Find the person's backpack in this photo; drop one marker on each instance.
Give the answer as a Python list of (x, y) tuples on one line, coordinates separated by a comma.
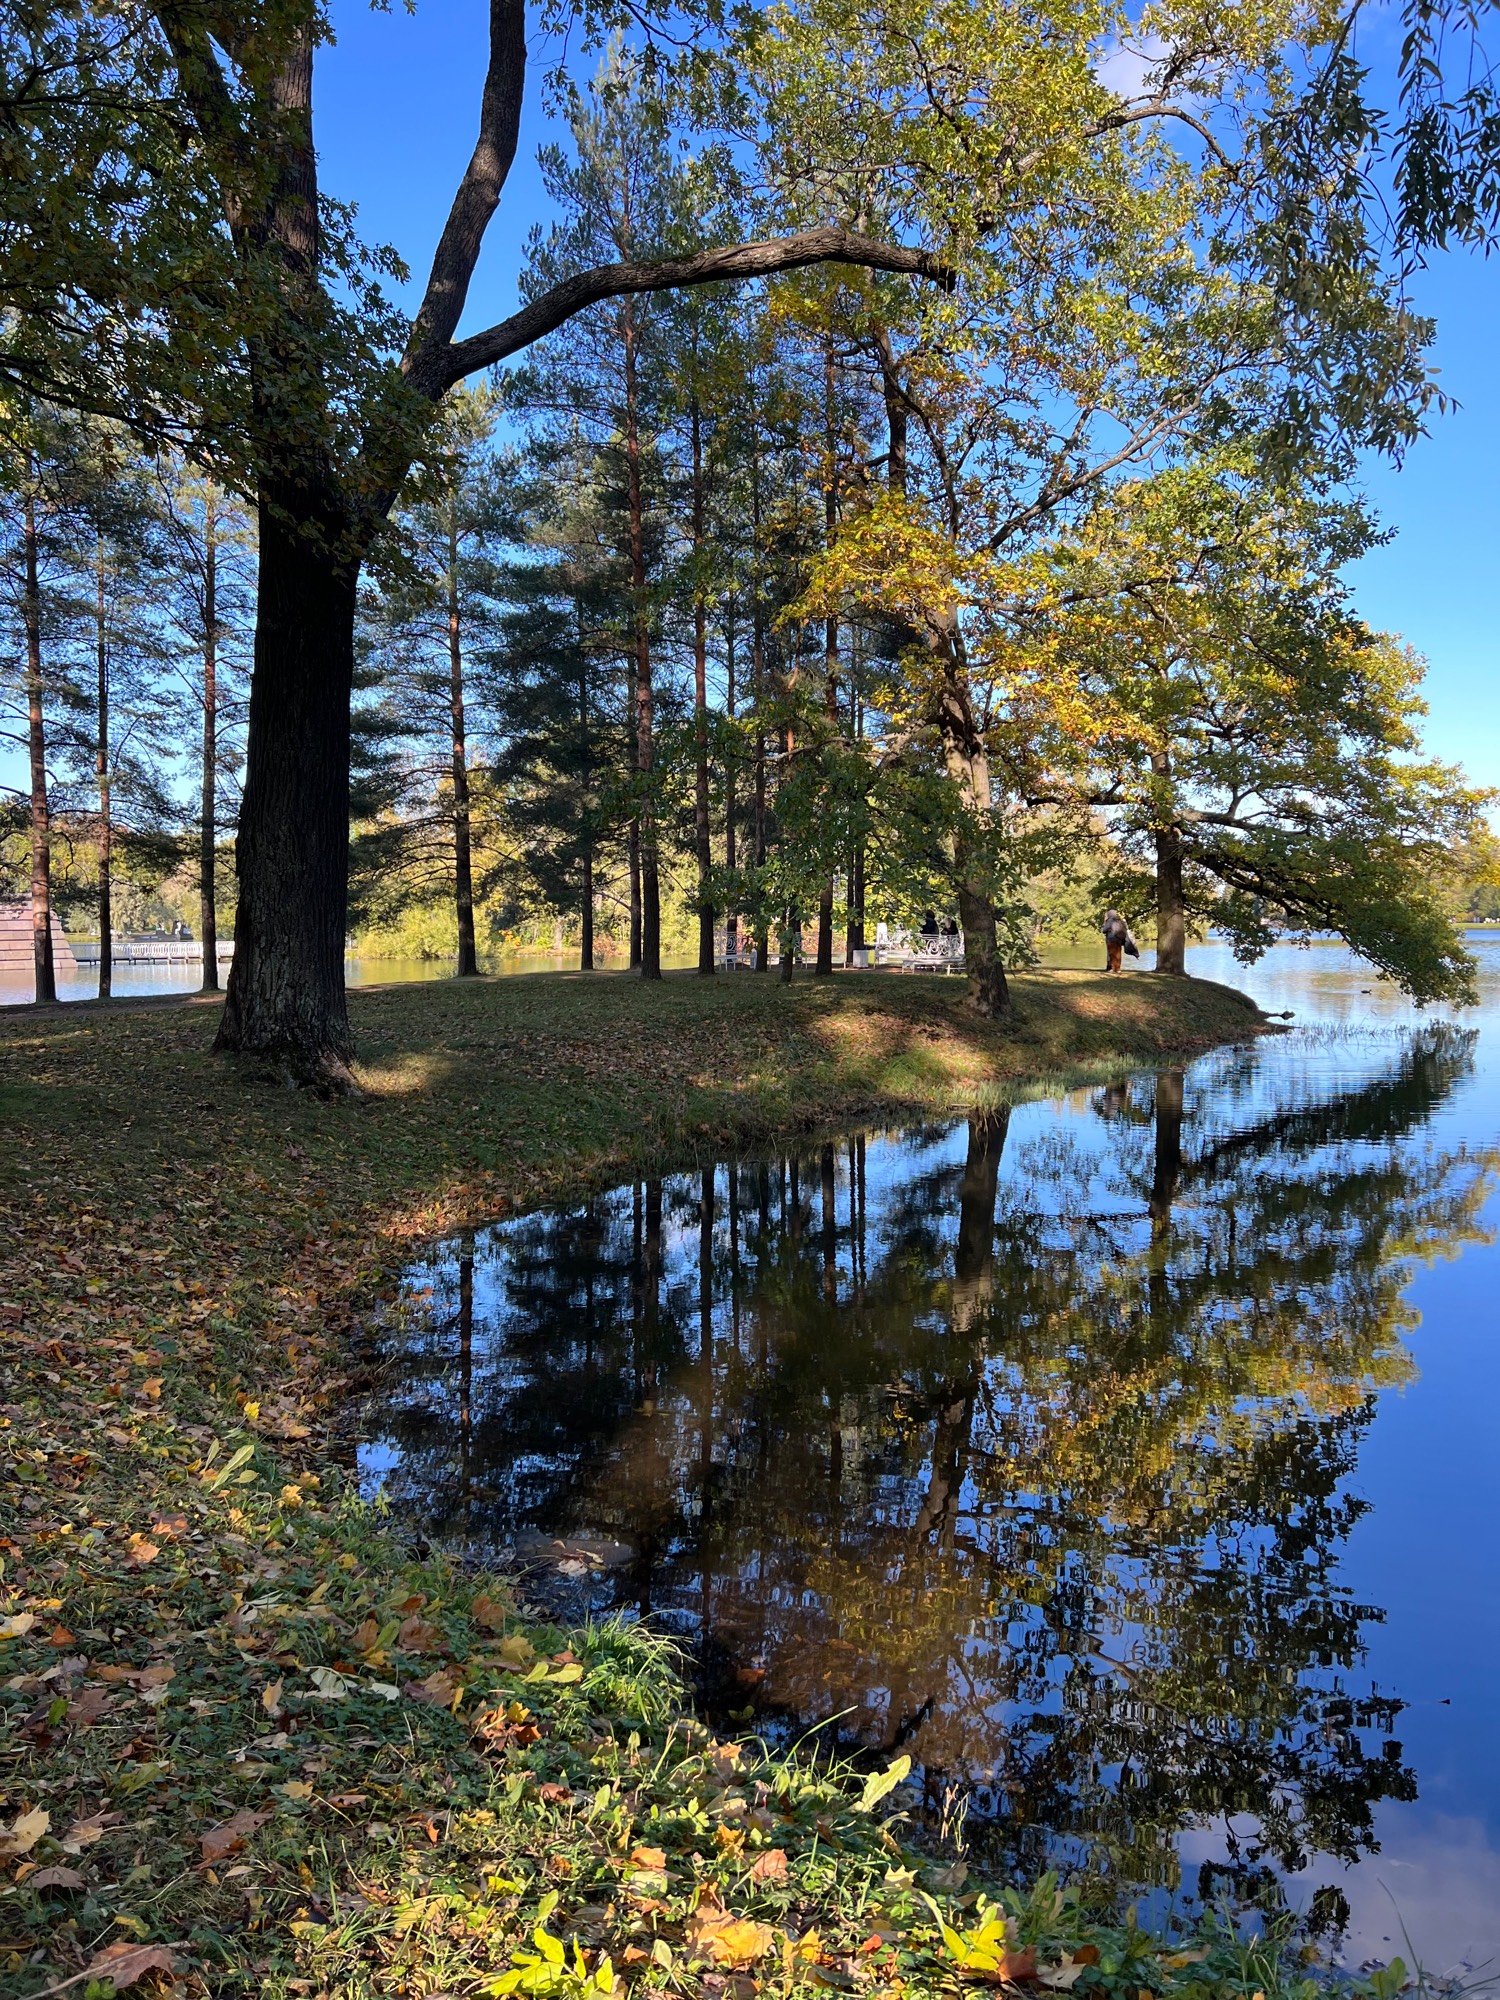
[(1132, 949)]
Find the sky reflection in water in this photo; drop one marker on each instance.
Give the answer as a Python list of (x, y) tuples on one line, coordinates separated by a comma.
[(1125, 1459)]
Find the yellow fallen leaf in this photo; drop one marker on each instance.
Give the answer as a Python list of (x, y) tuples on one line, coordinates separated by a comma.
[(295, 1789), (731, 1941), (270, 1699), (17, 1625), (24, 1835)]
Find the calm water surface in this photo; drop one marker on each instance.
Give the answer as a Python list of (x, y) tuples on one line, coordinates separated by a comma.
[(1128, 1459)]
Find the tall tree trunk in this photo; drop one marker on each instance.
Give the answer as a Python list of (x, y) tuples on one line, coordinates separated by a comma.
[(633, 866), (463, 867), (731, 856), (1171, 914), (102, 775), (855, 938), (286, 1001), (36, 739), (701, 842), (645, 731), (586, 772), (968, 765), (823, 966), (964, 751), (758, 690), (208, 825)]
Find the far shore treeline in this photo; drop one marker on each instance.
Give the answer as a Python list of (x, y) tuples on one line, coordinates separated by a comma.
[(922, 480)]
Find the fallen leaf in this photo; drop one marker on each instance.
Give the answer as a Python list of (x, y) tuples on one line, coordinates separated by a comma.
[(86, 1708), (57, 1878), (84, 1832), (652, 1858), (770, 1866), (439, 1689), (488, 1612), (140, 1551), (552, 1795), (270, 1699), (731, 1941), (24, 1835), (517, 1651), (17, 1625), (61, 1636), (221, 1841), (416, 1635), (157, 1676), (127, 1964), (295, 1789), (1018, 1966)]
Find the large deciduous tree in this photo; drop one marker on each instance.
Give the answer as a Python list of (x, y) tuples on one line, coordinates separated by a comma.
[(262, 325)]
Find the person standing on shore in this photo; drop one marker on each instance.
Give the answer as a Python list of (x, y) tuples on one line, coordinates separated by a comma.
[(1117, 941)]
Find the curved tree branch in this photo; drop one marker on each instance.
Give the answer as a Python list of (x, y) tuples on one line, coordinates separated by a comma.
[(475, 202), (436, 371)]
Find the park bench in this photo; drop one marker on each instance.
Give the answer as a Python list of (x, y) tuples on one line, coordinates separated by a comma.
[(935, 954)]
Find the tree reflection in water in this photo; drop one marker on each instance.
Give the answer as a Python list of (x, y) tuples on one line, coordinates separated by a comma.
[(1028, 1455)]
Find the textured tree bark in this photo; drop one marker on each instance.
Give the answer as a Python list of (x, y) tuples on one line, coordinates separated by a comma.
[(757, 687), (645, 712), (285, 1003), (969, 767), (586, 914), (1171, 913), (731, 922), (102, 774), (36, 743), (208, 825), (823, 967), (701, 843), (463, 867)]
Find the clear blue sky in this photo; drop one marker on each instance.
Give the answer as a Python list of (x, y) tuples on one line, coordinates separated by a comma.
[(395, 108)]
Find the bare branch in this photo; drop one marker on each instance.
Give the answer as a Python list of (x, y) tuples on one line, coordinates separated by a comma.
[(564, 301), (475, 202)]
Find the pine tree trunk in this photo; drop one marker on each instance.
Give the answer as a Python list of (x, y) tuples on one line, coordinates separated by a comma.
[(102, 777), (701, 842), (633, 863), (463, 867), (731, 922), (645, 737), (208, 826), (757, 695), (1171, 914), (285, 1002), (36, 739), (823, 967), (586, 914)]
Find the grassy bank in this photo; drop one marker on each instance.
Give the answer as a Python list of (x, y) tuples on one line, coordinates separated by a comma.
[(249, 1742)]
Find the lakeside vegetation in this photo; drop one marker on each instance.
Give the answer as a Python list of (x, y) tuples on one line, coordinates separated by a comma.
[(197, 1610)]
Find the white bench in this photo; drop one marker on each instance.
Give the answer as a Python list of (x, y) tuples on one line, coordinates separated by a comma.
[(935, 954)]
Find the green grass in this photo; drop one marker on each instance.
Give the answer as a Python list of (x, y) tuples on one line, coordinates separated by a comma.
[(244, 1731)]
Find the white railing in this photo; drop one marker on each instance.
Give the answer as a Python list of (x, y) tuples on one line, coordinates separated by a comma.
[(149, 951)]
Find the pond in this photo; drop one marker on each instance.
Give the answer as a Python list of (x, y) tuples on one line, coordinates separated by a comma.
[(1126, 1459)]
